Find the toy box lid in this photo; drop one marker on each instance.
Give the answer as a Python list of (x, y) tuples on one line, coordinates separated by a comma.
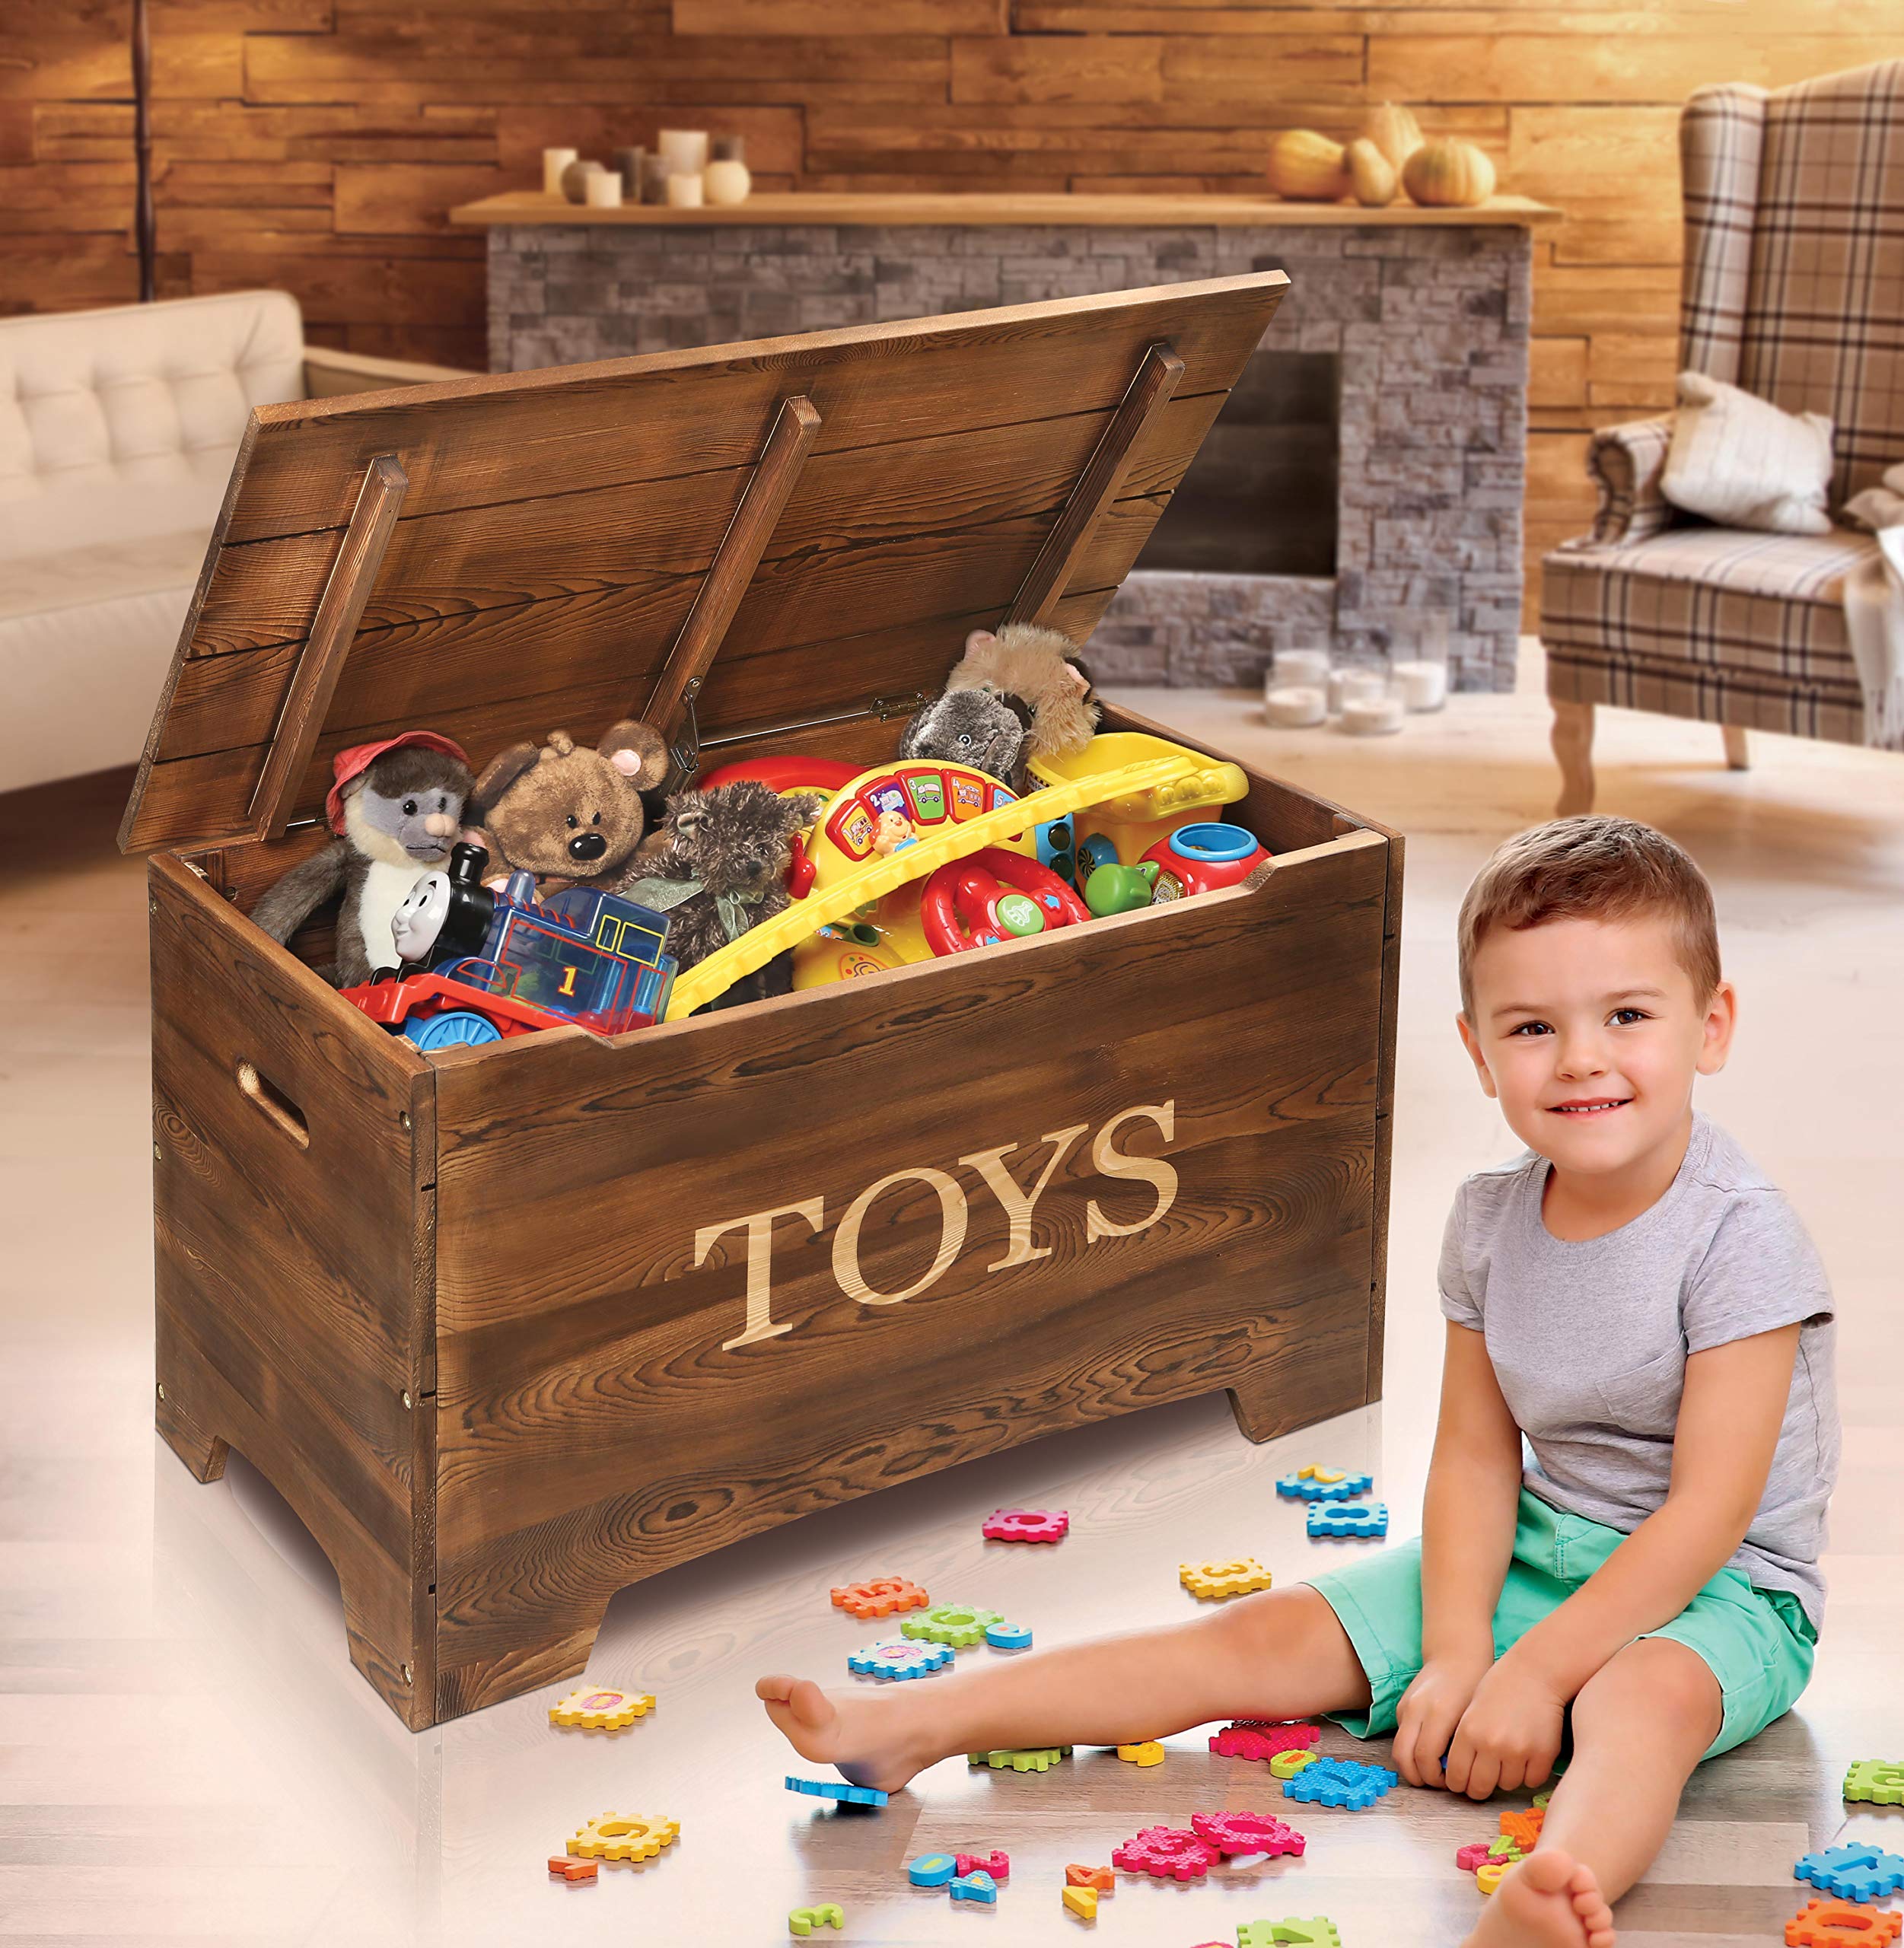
[(790, 528)]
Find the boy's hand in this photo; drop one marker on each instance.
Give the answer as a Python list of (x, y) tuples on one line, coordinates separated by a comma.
[(1510, 1736), (1430, 1709)]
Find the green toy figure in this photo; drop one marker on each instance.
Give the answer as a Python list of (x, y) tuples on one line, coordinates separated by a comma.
[(1114, 889)]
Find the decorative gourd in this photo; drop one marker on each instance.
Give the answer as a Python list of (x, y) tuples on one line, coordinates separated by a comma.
[(1372, 173), (1395, 132), (1307, 168), (1449, 174)]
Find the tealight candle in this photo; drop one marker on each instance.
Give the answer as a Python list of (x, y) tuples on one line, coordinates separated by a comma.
[(554, 161), (1294, 705), (1301, 667), (1424, 684), (1371, 717)]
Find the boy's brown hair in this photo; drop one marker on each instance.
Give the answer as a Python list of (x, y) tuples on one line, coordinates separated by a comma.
[(1591, 868)]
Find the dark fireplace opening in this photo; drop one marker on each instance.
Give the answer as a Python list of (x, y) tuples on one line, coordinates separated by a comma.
[(1259, 498)]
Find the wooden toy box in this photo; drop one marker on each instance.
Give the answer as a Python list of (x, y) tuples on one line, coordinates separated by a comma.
[(513, 1327)]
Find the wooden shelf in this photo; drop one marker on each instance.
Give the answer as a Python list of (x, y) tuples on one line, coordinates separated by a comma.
[(531, 206)]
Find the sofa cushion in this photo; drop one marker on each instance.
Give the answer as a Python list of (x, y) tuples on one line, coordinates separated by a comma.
[(1710, 622)]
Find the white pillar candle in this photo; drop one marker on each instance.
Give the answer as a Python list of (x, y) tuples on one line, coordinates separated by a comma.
[(683, 191), (604, 189), (1371, 717), (685, 148), (1294, 705), (554, 161), (1302, 668), (1424, 684), (1362, 686)]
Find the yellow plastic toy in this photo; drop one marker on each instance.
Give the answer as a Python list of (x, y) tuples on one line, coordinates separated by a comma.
[(860, 854), (597, 1709), (624, 1836), (1210, 1581), (1142, 1751), (1122, 827)]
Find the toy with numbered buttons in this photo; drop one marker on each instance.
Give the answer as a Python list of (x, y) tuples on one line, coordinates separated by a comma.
[(1202, 859)]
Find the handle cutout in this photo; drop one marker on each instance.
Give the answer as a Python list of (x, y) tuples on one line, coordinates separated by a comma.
[(276, 1104)]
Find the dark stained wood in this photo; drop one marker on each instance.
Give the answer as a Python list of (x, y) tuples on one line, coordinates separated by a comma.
[(1158, 377), (734, 561), (333, 629)]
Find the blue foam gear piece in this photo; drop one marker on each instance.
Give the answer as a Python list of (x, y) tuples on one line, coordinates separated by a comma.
[(838, 1789), (1853, 1873), (1334, 1519), (932, 1870), (1007, 1636), (977, 1885), (872, 1661), (1348, 1489), (1340, 1782)]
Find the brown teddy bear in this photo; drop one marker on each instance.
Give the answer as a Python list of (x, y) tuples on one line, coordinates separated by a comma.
[(563, 812), (722, 868)]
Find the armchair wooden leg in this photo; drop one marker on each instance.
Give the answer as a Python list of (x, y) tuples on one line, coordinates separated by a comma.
[(1573, 742), (1738, 753)]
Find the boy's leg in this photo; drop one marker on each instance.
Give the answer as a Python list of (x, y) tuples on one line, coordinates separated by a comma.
[(1280, 1654)]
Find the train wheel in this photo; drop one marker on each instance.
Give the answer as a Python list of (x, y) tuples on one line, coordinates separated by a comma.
[(457, 1028)]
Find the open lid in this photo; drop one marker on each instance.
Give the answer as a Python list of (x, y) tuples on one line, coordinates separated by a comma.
[(496, 557)]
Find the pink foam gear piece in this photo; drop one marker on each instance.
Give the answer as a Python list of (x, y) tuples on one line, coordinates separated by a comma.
[(1167, 1852), (1027, 1525), (1255, 1738), (1258, 1833), (998, 1864), (1473, 1855)]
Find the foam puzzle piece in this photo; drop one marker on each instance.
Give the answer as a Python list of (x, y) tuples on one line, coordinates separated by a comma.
[(1287, 1765), (1027, 1525), (932, 1870), (957, 1624), (1340, 1782), (1168, 1853), (1259, 1834), (1007, 1636), (1540, 1800), (804, 1921), (1875, 1782), (975, 1887), (1101, 1878), (601, 1708), (1348, 1518), (1082, 1902), (1473, 1855), (1144, 1751), (576, 1872), (998, 1864), (899, 1661), (1841, 1925), (1252, 1738), (1853, 1873), (1318, 1932), (1335, 1488), (1210, 1582), (882, 1596), (838, 1789), (1502, 1848), (1523, 1829), (624, 1836), (1034, 1759), (1490, 1873)]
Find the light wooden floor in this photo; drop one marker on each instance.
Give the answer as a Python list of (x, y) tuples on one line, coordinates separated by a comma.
[(186, 1754)]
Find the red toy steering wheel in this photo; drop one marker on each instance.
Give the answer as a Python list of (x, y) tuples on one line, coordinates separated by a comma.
[(993, 896)]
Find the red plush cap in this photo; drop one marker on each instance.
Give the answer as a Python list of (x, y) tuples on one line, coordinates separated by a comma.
[(358, 758)]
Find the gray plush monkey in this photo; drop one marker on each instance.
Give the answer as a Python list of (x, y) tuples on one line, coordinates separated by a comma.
[(976, 728)]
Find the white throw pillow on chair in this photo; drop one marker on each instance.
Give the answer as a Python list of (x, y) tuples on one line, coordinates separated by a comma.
[(1743, 462)]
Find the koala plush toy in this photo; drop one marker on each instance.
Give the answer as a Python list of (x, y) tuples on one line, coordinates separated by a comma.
[(564, 812)]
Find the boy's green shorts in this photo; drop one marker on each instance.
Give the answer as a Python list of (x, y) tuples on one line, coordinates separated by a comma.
[(1759, 1644)]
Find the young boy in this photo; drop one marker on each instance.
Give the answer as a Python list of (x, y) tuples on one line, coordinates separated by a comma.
[(1632, 1297)]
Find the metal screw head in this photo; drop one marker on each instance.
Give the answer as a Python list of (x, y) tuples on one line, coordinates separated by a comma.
[(162, 1389), (158, 1153), (153, 904), (403, 1120), (407, 1401), (403, 1671)]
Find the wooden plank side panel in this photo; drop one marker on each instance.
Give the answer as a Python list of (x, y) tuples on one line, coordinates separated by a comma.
[(294, 1267), (586, 1367)]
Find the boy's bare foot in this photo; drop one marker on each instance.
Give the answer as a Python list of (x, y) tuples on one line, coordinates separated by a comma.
[(869, 1738), (1549, 1901)]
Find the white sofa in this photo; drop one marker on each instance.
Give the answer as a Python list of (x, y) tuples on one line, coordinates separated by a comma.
[(118, 428)]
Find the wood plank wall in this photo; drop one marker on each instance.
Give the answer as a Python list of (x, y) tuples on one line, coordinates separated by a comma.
[(316, 144)]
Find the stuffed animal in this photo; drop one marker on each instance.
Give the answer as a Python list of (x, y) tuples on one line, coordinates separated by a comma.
[(722, 869), (975, 727), (563, 812), (1017, 694), (395, 806)]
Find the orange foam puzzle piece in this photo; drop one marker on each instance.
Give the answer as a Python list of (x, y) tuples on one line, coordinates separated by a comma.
[(1843, 1925), (1523, 1829), (1101, 1878)]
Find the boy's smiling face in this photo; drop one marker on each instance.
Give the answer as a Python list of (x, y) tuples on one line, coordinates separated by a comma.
[(1589, 1033)]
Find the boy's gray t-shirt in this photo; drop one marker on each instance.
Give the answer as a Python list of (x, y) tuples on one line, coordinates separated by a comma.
[(1590, 1341)]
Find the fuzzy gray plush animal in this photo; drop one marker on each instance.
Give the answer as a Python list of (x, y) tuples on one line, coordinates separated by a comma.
[(978, 727), (722, 869), (396, 806)]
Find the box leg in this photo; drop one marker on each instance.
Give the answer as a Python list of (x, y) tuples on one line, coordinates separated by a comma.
[(1263, 1410), (204, 1453), (544, 1648)]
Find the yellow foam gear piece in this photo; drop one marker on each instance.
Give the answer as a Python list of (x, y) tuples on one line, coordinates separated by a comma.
[(880, 876), (1490, 1874), (1329, 1476), (624, 1836), (1287, 1765), (598, 1707), (1142, 1751), (1210, 1581), (1082, 1902)]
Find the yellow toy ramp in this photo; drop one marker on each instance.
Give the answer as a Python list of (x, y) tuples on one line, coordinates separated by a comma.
[(879, 876), (1198, 781)]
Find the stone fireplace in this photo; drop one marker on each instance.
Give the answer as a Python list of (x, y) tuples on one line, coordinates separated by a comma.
[(1366, 475)]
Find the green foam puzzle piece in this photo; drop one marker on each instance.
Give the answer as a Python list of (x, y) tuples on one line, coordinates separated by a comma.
[(1038, 1759), (1876, 1782), (1317, 1932)]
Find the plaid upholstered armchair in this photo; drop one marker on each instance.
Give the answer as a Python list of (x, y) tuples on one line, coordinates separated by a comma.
[(1794, 289)]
